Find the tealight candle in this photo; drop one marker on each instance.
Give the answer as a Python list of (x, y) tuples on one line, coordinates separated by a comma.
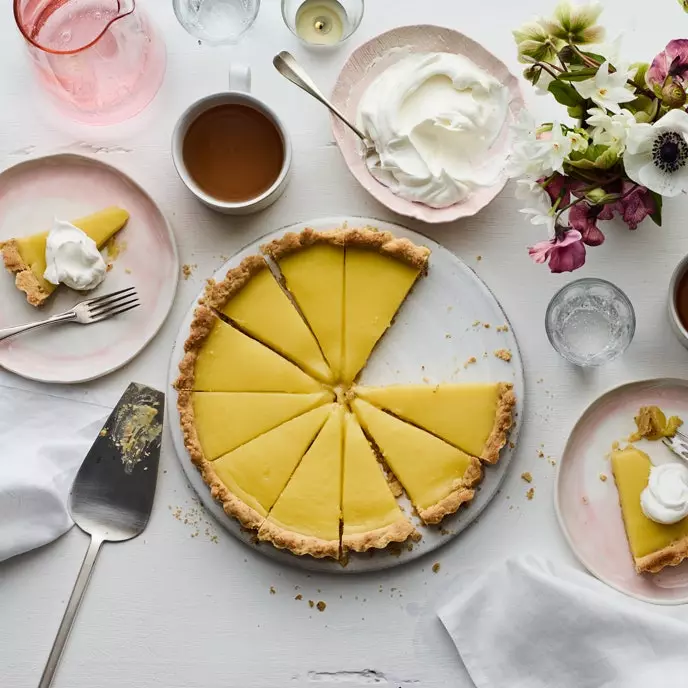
[(322, 22)]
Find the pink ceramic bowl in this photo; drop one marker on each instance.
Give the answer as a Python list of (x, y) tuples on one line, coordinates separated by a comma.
[(370, 60)]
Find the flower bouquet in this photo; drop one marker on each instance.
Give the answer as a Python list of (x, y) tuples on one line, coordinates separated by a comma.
[(626, 148)]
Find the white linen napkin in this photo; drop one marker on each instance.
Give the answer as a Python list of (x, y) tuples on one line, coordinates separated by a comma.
[(43, 441), (528, 623)]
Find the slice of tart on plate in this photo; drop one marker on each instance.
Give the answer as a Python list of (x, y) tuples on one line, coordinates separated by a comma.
[(25, 256), (653, 545), (214, 423), (474, 417), (370, 513), (220, 358), (305, 518), (437, 477), (248, 480), (252, 299)]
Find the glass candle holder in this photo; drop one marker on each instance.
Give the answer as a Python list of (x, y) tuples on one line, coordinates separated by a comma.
[(217, 22), (590, 322), (322, 22)]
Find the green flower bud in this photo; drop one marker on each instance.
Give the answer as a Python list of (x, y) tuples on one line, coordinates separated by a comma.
[(596, 195), (673, 94), (684, 4)]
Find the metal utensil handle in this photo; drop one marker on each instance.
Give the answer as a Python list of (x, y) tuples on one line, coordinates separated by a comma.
[(11, 331), (70, 612), (288, 67)]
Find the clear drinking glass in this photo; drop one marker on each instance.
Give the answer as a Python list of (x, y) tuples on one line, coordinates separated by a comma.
[(322, 22), (217, 21), (590, 322), (101, 61)]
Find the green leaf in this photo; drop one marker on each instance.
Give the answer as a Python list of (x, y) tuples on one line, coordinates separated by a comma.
[(607, 159), (657, 215), (565, 93), (595, 56), (578, 74)]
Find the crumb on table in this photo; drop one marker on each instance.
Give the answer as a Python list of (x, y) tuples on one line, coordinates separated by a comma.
[(436, 567), (530, 494), (470, 361), (321, 606), (584, 499), (311, 604), (503, 354), (272, 590), (478, 258), (299, 597), (486, 326), (603, 477), (527, 477), (502, 328)]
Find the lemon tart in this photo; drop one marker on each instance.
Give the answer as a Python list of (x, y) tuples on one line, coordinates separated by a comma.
[(378, 274), (653, 545), (312, 265), (437, 477), (214, 423), (253, 300), (25, 256), (306, 516), (370, 514), (248, 480), (473, 417), (220, 358)]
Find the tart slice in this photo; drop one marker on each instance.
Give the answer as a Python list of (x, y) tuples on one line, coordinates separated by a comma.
[(252, 299), (306, 516), (474, 417), (221, 358), (437, 477), (371, 515), (653, 545), (249, 479), (215, 423), (25, 256), (378, 274), (312, 265)]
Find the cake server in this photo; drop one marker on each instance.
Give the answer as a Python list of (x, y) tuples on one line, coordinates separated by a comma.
[(112, 495)]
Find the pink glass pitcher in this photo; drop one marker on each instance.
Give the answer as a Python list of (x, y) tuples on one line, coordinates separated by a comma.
[(99, 60)]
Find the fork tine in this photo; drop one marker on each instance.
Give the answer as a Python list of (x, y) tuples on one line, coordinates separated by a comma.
[(98, 299), (114, 307), (115, 311), (94, 309)]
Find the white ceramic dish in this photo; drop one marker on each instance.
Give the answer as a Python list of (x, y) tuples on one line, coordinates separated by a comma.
[(367, 62), (431, 338), (69, 186), (588, 508)]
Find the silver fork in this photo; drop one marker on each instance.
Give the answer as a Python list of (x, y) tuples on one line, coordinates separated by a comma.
[(85, 312), (678, 445)]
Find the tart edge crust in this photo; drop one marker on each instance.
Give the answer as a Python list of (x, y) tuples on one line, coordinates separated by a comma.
[(399, 531), (297, 543), (671, 555), (502, 425), (24, 279)]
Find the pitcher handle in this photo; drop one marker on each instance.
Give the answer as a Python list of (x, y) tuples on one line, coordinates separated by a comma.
[(240, 78)]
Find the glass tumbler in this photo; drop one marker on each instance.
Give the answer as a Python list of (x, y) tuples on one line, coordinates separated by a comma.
[(590, 322), (322, 22), (217, 21)]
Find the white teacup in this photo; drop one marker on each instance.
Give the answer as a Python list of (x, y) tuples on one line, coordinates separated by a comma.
[(238, 93)]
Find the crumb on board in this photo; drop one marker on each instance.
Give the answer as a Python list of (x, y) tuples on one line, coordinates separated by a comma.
[(127, 271), (426, 380), (272, 590), (552, 462), (541, 454), (478, 258), (447, 336), (487, 326), (530, 494), (299, 597), (436, 567), (321, 606), (603, 477), (584, 499), (311, 604), (470, 361), (187, 270), (476, 323), (503, 354), (502, 328), (527, 476)]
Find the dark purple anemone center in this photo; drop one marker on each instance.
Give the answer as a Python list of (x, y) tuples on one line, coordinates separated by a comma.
[(670, 151)]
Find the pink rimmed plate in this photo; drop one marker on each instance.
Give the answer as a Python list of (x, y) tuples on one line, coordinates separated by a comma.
[(69, 186), (367, 62), (587, 504)]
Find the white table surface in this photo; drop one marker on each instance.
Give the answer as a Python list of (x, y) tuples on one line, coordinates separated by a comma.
[(185, 604)]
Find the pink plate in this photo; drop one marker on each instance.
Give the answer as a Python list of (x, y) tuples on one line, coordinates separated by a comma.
[(67, 186), (588, 507), (369, 61)]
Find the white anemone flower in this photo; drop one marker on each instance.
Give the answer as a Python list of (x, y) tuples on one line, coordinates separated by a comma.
[(606, 89), (657, 154)]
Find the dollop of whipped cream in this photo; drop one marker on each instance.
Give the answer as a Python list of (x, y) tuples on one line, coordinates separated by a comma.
[(72, 258), (435, 120), (665, 499)]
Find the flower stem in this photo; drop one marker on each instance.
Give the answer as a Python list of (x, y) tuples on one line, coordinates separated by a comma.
[(586, 60)]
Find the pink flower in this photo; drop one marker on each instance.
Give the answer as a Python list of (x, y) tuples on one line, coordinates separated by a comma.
[(671, 62), (636, 206), (583, 217), (565, 253)]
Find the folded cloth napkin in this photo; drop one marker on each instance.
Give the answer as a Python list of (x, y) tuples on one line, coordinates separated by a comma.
[(43, 441), (528, 623)]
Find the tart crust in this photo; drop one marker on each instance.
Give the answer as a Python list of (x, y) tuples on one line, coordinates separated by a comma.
[(399, 531), (298, 544), (24, 278), (201, 326), (672, 555), (502, 425), (218, 293)]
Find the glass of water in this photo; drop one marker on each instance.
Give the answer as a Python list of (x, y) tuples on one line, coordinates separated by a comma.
[(590, 322), (217, 21)]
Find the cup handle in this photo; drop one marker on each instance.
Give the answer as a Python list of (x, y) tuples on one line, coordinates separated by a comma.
[(240, 78)]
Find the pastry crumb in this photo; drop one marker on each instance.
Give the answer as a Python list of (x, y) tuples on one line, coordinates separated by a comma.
[(447, 336), (187, 270), (321, 606), (486, 326), (615, 445), (527, 477), (470, 361), (503, 354), (311, 604), (436, 567), (530, 494), (127, 271), (584, 499), (478, 258), (603, 477), (502, 328), (541, 454), (476, 323), (511, 444), (299, 597), (272, 590), (426, 380), (552, 462)]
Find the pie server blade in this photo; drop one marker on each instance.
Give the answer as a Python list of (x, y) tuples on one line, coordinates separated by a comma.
[(113, 492)]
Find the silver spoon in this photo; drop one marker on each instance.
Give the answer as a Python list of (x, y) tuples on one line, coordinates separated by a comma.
[(288, 67)]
